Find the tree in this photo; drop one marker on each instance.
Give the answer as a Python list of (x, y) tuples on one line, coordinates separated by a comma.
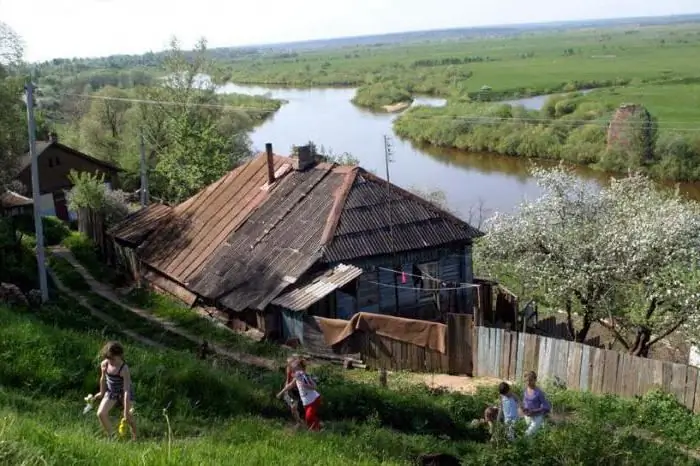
[(13, 133), (193, 138), (103, 127), (654, 241), (624, 256), (547, 244)]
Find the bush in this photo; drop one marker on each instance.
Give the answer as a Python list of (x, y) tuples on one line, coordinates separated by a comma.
[(55, 230)]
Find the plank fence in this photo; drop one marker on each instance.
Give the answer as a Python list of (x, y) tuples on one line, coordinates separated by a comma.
[(379, 352), (507, 355)]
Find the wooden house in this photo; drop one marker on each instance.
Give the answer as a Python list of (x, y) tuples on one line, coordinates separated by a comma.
[(13, 204), (281, 239), (56, 161)]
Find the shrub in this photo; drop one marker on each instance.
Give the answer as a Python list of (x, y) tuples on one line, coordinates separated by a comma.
[(55, 230)]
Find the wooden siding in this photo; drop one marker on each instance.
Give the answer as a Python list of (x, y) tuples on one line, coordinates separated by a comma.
[(54, 176), (382, 291), (292, 325)]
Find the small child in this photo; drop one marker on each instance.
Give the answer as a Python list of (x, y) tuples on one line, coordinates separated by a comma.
[(115, 387), (509, 409), (291, 397), (310, 398)]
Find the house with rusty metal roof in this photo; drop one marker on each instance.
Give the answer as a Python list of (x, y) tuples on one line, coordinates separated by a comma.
[(279, 239)]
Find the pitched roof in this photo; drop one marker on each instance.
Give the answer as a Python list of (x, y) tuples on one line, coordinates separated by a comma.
[(26, 160), (136, 227), (242, 242), (10, 199)]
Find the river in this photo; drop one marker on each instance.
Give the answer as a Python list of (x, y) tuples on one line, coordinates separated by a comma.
[(471, 181)]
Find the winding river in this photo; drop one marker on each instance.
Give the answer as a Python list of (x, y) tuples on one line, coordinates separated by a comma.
[(470, 181)]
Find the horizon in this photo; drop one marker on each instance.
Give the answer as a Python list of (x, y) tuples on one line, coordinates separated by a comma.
[(117, 28)]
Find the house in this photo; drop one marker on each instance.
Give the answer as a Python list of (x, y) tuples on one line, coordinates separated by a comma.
[(13, 204), (56, 161), (280, 239)]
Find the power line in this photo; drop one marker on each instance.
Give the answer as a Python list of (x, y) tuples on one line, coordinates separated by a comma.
[(463, 286), (473, 119), (166, 102)]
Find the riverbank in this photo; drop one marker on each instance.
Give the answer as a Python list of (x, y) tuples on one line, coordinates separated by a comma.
[(572, 128), (388, 96)]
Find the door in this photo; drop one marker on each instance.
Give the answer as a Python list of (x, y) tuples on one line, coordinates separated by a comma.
[(60, 205)]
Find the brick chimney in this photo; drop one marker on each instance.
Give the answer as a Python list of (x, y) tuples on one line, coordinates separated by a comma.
[(270, 163), (303, 159)]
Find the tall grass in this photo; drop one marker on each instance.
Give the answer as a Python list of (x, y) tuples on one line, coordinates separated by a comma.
[(228, 415)]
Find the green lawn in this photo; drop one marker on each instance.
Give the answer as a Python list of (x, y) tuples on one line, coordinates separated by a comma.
[(675, 105)]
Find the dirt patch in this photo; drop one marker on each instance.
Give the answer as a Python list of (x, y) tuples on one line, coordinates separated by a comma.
[(455, 383), (397, 107)]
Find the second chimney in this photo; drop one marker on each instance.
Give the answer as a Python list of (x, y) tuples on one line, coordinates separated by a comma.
[(270, 163), (304, 158)]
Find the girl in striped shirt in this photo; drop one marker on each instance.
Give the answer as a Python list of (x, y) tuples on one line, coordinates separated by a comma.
[(115, 387)]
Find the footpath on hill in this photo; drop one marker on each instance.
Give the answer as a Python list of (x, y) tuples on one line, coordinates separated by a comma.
[(106, 292)]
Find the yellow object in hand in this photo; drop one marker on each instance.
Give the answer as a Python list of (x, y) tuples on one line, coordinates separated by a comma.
[(123, 427)]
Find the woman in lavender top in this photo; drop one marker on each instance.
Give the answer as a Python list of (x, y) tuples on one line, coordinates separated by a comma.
[(535, 404)]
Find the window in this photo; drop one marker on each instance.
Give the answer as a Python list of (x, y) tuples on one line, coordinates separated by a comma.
[(429, 272), (58, 161)]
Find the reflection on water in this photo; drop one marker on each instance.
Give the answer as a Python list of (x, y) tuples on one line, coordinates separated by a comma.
[(328, 118)]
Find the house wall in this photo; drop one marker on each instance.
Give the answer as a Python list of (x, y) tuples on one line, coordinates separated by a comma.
[(55, 166), (383, 291)]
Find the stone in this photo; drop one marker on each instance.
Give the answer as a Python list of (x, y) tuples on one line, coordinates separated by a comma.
[(12, 295), (438, 459)]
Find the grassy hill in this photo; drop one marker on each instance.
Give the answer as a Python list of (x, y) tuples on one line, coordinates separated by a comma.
[(222, 412)]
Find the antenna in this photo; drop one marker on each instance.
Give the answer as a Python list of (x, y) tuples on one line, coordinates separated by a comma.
[(388, 152)]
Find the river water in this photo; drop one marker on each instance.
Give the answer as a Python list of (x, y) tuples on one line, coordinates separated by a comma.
[(471, 181)]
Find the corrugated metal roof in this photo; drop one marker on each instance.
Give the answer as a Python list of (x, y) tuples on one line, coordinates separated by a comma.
[(200, 225), (277, 244), (11, 199), (242, 242), (320, 287), (363, 228), (136, 227)]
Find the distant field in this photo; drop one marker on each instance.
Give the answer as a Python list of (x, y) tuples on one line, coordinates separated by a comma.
[(530, 63), (675, 105)]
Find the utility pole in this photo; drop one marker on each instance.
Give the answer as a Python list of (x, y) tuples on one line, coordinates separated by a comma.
[(388, 152), (36, 194), (144, 173), (387, 160)]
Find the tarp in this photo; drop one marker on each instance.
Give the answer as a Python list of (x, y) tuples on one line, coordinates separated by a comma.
[(421, 333)]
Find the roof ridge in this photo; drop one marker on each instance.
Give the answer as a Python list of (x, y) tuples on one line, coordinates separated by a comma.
[(341, 195), (414, 197)]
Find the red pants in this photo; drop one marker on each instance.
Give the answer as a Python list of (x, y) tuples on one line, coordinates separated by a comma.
[(311, 414)]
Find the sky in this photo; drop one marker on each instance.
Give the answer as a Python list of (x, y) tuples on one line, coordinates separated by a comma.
[(89, 28)]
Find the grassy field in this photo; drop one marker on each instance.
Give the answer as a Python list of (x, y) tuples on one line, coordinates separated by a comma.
[(528, 64), (216, 412), (48, 362), (676, 106)]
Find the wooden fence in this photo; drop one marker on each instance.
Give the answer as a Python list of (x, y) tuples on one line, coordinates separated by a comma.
[(508, 355), (381, 352)]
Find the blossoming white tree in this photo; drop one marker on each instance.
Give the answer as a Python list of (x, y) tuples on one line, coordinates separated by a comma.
[(624, 256)]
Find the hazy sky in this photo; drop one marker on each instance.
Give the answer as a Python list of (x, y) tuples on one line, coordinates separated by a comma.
[(68, 28)]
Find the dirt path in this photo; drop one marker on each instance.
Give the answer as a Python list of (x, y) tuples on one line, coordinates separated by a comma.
[(106, 292), (101, 315)]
